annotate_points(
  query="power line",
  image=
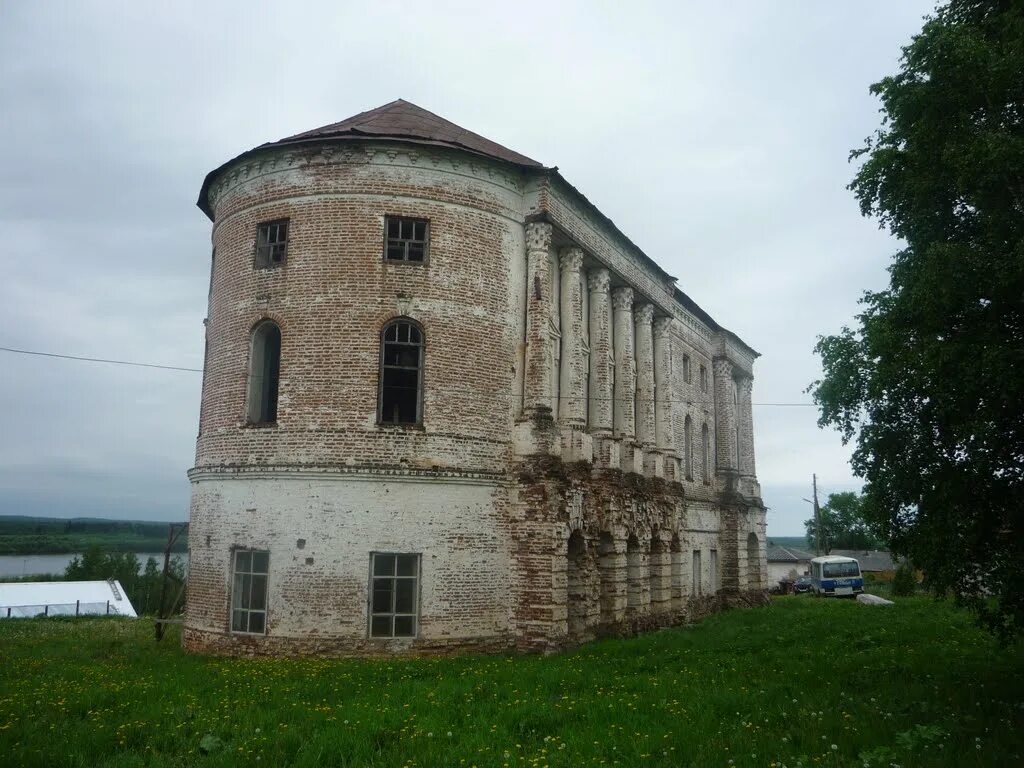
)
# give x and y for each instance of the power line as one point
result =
(200, 370)
(99, 360)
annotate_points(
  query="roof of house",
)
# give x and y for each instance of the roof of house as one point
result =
(401, 119)
(870, 560)
(777, 554)
(30, 598)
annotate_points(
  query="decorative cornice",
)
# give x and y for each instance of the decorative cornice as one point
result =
(363, 474)
(622, 298)
(356, 153)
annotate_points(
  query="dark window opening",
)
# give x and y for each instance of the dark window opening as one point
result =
(264, 373)
(406, 239)
(401, 373)
(394, 595)
(271, 243)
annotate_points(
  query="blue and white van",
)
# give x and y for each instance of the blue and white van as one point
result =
(835, 576)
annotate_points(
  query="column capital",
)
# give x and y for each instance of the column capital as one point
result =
(662, 326)
(622, 298)
(598, 280)
(643, 314)
(538, 236)
(571, 259)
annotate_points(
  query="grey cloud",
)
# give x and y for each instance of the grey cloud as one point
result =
(715, 135)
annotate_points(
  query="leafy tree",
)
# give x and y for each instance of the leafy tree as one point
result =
(842, 524)
(930, 382)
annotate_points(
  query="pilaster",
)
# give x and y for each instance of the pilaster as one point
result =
(572, 401)
(538, 310)
(624, 417)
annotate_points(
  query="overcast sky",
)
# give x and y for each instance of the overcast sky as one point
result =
(714, 134)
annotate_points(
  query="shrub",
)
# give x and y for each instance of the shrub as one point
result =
(904, 582)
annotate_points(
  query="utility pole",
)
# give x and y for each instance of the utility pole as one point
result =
(817, 517)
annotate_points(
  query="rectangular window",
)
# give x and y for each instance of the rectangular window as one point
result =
(249, 591)
(686, 369)
(703, 379)
(714, 571)
(271, 243)
(394, 595)
(696, 572)
(406, 239)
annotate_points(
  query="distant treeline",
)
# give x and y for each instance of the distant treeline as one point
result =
(44, 535)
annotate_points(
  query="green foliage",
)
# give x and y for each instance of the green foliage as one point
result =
(930, 383)
(811, 682)
(143, 589)
(904, 581)
(41, 535)
(842, 525)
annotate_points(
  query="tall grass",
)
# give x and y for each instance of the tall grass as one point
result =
(800, 683)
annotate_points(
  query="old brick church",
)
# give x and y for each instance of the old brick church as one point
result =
(448, 405)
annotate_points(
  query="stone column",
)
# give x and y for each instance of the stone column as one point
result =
(663, 426)
(625, 364)
(645, 430)
(536, 384)
(725, 417)
(572, 402)
(745, 421)
(625, 378)
(605, 449)
(600, 354)
(643, 316)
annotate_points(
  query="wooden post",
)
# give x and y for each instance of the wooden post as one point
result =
(46, 610)
(78, 604)
(108, 607)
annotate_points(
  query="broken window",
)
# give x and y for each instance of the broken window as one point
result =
(703, 379)
(394, 595)
(249, 591)
(686, 369)
(401, 373)
(405, 239)
(264, 373)
(271, 243)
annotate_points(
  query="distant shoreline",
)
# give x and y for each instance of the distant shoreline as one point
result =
(55, 536)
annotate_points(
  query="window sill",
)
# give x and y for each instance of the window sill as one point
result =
(258, 425)
(403, 427)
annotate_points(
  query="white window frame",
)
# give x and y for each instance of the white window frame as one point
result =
(394, 578)
(237, 597)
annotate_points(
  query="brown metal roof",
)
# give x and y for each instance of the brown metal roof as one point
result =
(402, 120)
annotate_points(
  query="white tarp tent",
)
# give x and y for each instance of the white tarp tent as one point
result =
(64, 598)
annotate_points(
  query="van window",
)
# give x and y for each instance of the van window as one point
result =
(841, 570)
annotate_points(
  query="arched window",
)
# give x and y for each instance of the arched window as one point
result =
(688, 446)
(400, 399)
(705, 455)
(264, 372)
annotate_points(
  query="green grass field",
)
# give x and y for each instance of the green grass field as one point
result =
(803, 682)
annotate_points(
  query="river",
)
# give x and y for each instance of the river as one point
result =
(34, 565)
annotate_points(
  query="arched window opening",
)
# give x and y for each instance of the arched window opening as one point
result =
(576, 586)
(676, 550)
(264, 373)
(705, 455)
(659, 571)
(688, 446)
(608, 569)
(634, 575)
(401, 373)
